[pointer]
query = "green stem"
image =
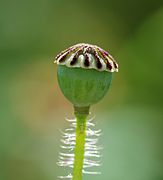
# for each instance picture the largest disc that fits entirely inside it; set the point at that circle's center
(80, 143)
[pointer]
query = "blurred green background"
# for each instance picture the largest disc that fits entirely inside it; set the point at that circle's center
(32, 108)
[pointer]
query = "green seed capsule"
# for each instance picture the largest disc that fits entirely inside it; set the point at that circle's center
(85, 74)
(83, 87)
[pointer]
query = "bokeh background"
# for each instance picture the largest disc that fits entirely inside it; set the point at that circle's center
(32, 108)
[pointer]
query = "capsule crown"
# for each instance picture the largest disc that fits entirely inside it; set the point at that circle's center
(88, 57)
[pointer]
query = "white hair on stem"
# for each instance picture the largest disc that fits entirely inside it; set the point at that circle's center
(92, 149)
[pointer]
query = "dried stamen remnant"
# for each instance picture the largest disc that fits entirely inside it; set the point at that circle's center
(93, 57)
(115, 64)
(74, 60)
(63, 52)
(99, 65)
(62, 58)
(110, 61)
(86, 61)
(109, 66)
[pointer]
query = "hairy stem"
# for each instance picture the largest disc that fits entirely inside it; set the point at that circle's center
(80, 145)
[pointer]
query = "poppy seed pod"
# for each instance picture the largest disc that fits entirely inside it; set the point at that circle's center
(85, 74)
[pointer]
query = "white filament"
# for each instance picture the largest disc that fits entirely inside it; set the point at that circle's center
(92, 150)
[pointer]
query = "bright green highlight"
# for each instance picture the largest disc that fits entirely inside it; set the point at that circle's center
(80, 146)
